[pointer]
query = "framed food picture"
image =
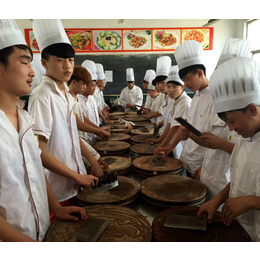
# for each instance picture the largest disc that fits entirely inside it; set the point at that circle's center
(166, 39)
(107, 40)
(136, 40)
(79, 39)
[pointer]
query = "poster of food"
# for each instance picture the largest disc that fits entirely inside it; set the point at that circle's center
(79, 39)
(107, 40)
(203, 36)
(166, 39)
(137, 40)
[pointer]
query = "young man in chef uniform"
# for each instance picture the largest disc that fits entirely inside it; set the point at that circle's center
(235, 88)
(131, 95)
(87, 101)
(51, 106)
(25, 194)
(145, 82)
(192, 73)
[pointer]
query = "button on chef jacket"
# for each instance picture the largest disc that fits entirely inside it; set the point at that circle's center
(89, 108)
(133, 96)
(23, 195)
(200, 109)
(56, 121)
(245, 180)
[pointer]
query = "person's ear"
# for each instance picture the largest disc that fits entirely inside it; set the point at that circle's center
(44, 63)
(200, 73)
(253, 109)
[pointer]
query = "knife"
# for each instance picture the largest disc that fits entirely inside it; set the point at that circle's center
(185, 222)
(188, 126)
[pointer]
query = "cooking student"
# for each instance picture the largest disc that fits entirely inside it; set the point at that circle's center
(237, 100)
(131, 95)
(98, 95)
(77, 85)
(87, 100)
(180, 108)
(219, 140)
(25, 194)
(51, 106)
(193, 73)
(145, 82)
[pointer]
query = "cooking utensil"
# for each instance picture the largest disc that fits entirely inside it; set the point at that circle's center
(109, 160)
(188, 126)
(156, 162)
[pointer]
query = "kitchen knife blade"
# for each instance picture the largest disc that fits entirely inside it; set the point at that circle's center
(188, 126)
(156, 162)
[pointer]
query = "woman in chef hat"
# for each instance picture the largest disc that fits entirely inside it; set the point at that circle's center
(131, 97)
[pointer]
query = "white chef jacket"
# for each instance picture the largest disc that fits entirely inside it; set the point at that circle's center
(148, 101)
(167, 107)
(55, 120)
(179, 108)
(84, 135)
(156, 106)
(133, 96)
(23, 194)
(200, 109)
(99, 101)
(89, 108)
(215, 172)
(245, 180)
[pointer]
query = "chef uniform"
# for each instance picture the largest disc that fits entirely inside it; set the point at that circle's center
(133, 96)
(179, 108)
(23, 194)
(186, 55)
(234, 85)
(39, 70)
(88, 104)
(146, 78)
(215, 172)
(54, 115)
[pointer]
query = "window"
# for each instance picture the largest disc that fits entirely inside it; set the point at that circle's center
(252, 34)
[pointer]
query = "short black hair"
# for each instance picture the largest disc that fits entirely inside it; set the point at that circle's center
(222, 115)
(130, 81)
(175, 83)
(6, 52)
(62, 50)
(192, 69)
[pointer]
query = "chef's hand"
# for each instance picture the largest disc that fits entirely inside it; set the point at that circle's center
(161, 124)
(87, 180)
(105, 134)
(102, 163)
(96, 170)
(162, 151)
(197, 174)
(208, 210)
(211, 141)
(234, 207)
(185, 133)
(64, 213)
(128, 105)
(155, 141)
(148, 115)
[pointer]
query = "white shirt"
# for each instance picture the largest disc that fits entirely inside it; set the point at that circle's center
(23, 194)
(148, 101)
(179, 108)
(133, 96)
(89, 108)
(156, 106)
(215, 172)
(55, 120)
(245, 180)
(200, 109)
(99, 101)
(167, 107)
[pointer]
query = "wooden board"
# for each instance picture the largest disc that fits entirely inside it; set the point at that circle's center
(125, 225)
(135, 118)
(137, 139)
(117, 137)
(112, 148)
(126, 190)
(140, 132)
(122, 165)
(117, 114)
(171, 190)
(115, 117)
(216, 232)
(143, 149)
(143, 124)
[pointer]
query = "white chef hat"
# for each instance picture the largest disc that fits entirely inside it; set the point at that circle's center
(91, 67)
(234, 47)
(130, 74)
(10, 34)
(148, 73)
(174, 75)
(150, 80)
(48, 32)
(188, 54)
(235, 84)
(38, 68)
(100, 71)
(163, 65)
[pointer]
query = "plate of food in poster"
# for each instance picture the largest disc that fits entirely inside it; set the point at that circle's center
(80, 40)
(166, 39)
(33, 43)
(108, 40)
(137, 40)
(198, 35)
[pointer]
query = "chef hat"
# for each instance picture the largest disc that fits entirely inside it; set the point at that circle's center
(150, 80)
(100, 71)
(174, 75)
(130, 74)
(48, 32)
(148, 73)
(235, 84)
(10, 34)
(234, 48)
(38, 68)
(188, 54)
(162, 68)
(91, 67)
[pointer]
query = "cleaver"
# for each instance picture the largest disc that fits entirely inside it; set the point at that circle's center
(185, 222)
(188, 126)
(92, 229)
